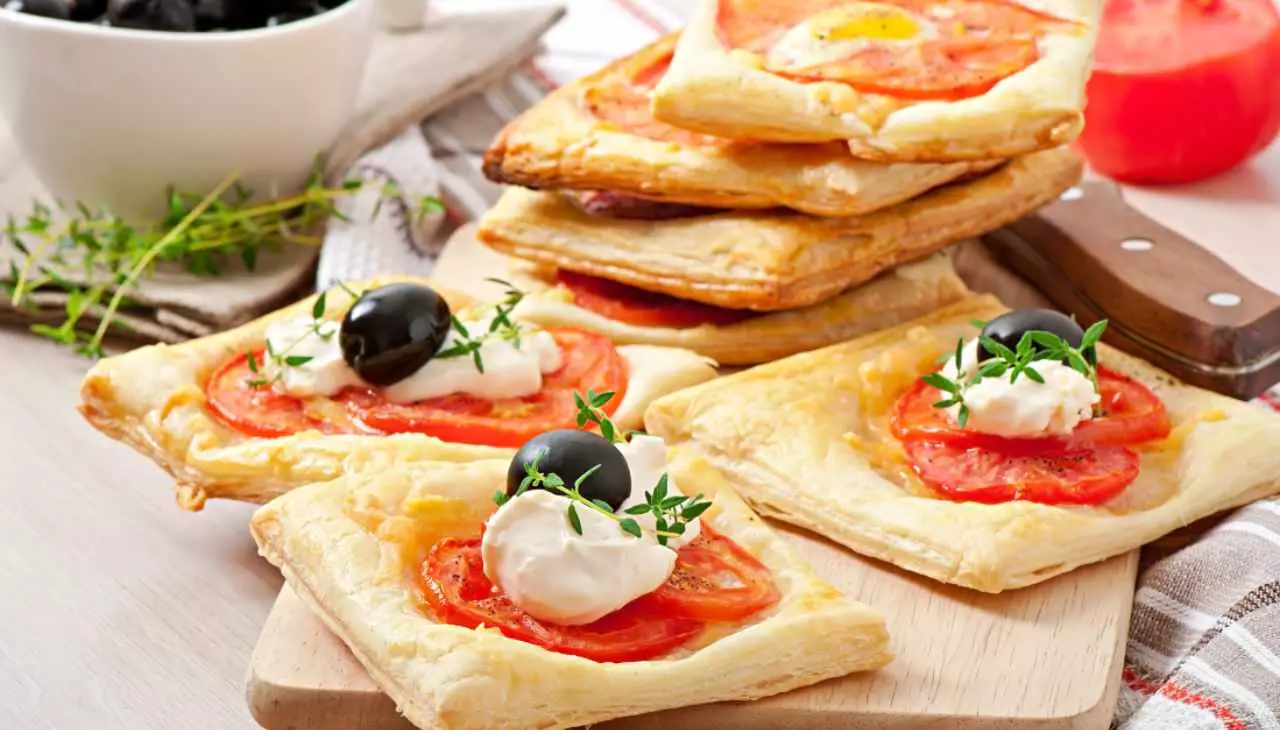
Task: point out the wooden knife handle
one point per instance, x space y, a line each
1157 283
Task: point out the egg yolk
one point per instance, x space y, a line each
864 20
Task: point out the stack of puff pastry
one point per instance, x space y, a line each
742 250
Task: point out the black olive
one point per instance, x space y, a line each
283 18
392 331
85 10
56 9
569 453
212 14
1008 328
166 15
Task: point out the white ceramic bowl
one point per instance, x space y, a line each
112 116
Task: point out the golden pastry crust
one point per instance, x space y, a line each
769 260
895 296
560 144
350 548
153 400
714 90
804 439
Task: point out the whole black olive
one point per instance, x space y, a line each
392 331
166 15
569 453
283 18
85 10
1008 328
211 14
56 9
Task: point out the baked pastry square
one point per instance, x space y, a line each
154 400
597 134
769 260
805 440
350 548
936 80
899 295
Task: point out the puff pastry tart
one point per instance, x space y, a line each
363 376
628 315
900 80
597 134
769 260
584 597
1017 460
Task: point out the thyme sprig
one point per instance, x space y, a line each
590 411
501 327
1034 346
97 259
672 513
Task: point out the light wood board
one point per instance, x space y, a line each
1046 657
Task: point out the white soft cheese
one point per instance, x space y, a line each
647 459
324 374
1024 408
533 554
510 370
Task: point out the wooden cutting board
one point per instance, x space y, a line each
1042 658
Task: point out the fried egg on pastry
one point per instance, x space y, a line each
769 260
899 81
205 412
597 134
352 550
808 440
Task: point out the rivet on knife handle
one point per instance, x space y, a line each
1157 282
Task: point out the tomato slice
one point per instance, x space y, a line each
963 47
454 585
261 411
1131 414
716 580
628 304
1182 90
591 362
622 98
992 474
613 204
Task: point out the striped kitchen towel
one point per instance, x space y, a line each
1204 645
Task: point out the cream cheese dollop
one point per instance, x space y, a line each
1024 408
324 374
511 369
533 554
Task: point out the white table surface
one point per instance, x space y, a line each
120 611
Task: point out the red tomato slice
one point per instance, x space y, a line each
974 44
628 304
1182 90
453 582
716 580
261 411
994 474
591 362
1132 414
622 98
